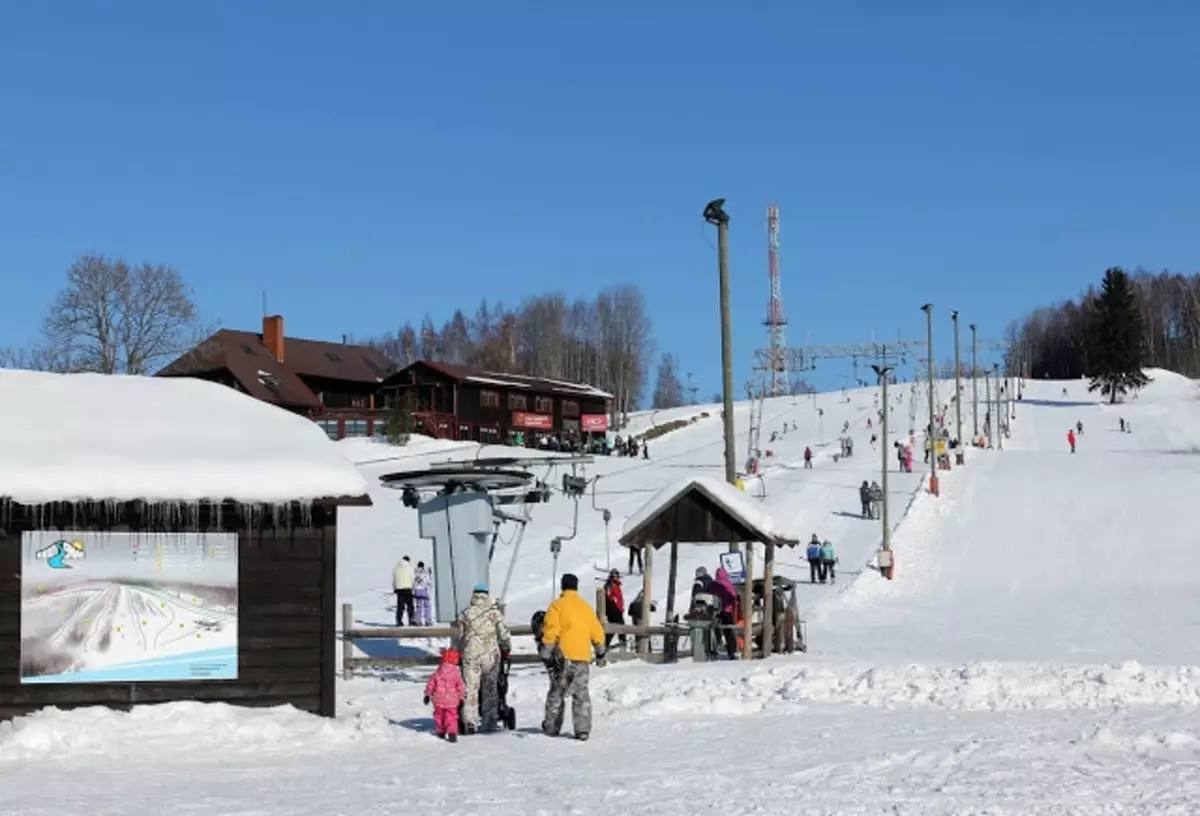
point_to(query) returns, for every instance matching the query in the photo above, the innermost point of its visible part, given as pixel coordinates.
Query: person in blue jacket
(828, 559)
(815, 572)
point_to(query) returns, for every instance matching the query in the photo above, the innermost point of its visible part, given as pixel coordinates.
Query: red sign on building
(539, 421)
(594, 423)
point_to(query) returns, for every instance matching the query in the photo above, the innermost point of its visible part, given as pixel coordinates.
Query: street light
(960, 453)
(714, 213)
(884, 372)
(933, 479)
(1001, 412)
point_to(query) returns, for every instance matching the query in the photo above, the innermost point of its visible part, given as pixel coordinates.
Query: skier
(485, 643)
(446, 689)
(876, 500)
(424, 606)
(572, 629)
(815, 572)
(1122, 424)
(725, 591)
(1079, 428)
(864, 496)
(828, 561)
(1071, 438)
(900, 455)
(402, 585)
(614, 605)
(908, 457)
(808, 458)
(645, 451)
(635, 554)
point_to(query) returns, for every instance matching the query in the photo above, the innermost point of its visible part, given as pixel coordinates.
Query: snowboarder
(424, 606)
(572, 629)
(828, 561)
(864, 496)
(808, 458)
(614, 605)
(402, 585)
(1071, 438)
(485, 643)
(445, 688)
(815, 572)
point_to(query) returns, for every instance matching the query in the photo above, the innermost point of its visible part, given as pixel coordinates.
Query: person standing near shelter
(485, 642)
(572, 629)
(724, 590)
(614, 604)
(402, 585)
(422, 579)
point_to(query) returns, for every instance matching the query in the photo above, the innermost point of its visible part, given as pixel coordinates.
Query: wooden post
(768, 628)
(748, 605)
(601, 611)
(671, 578)
(347, 643)
(647, 597)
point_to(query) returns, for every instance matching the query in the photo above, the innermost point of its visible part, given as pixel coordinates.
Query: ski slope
(1036, 653)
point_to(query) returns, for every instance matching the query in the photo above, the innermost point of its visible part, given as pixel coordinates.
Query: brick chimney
(272, 335)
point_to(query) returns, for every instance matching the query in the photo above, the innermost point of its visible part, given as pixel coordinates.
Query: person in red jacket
(1071, 439)
(446, 690)
(614, 604)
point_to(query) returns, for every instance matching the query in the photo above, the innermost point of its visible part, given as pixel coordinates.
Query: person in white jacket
(402, 585)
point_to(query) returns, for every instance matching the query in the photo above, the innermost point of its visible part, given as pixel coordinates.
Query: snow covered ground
(1036, 653)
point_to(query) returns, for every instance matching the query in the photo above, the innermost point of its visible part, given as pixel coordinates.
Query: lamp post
(884, 372)
(1001, 412)
(960, 453)
(933, 478)
(714, 213)
(974, 382)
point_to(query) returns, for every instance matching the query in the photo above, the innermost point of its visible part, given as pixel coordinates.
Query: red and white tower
(776, 323)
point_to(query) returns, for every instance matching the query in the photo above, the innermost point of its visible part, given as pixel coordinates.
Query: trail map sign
(103, 607)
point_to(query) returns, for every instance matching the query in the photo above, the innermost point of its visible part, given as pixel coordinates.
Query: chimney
(272, 335)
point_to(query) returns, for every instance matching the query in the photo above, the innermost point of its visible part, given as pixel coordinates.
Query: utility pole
(692, 389)
(974, 381)
(1001, 411)
(884, 372)
(960, 454)
(714, 213)
(933, 479)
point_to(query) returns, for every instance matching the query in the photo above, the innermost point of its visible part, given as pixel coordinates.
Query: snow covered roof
(91, 437)
(735, 502)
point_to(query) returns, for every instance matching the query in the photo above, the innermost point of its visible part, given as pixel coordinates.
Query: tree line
(1058, 342)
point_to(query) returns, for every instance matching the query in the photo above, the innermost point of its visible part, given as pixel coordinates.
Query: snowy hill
(1036, 653)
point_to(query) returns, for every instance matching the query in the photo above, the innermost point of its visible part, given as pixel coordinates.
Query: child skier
(421, 599)
(447, 690)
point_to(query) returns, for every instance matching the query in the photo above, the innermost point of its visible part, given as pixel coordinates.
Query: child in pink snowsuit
(446, 690)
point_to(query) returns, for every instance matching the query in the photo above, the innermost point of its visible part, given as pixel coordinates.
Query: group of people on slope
(821, 560)
(726, 600)
(572, 636)
(412, 589)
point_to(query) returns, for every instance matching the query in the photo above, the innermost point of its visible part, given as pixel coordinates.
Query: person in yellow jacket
(571, 635)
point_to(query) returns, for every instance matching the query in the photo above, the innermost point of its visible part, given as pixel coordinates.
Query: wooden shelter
(705, 511)
(170, 540)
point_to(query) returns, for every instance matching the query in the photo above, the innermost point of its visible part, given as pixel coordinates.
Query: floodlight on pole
(960, 456)
(714, 213)
(884, 372)
(974, 382)
(931, 433)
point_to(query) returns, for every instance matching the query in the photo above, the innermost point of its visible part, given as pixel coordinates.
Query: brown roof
(246, 357)
(539, 384)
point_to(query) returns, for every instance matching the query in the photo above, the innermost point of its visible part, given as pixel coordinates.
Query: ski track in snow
(1021, 662)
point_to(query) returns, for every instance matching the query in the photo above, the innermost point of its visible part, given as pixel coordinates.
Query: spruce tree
(1116, 338)
(401, 421)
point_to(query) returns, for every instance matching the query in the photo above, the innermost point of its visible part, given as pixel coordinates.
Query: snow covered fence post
(347, 642)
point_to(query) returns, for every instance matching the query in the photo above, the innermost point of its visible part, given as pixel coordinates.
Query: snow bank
(97, 730)
(78, 437)
(969, 687)
(735, 501)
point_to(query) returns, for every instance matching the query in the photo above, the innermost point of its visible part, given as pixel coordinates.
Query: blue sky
(368, 162)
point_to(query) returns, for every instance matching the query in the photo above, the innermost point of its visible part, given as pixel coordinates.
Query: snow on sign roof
(91, 437)
(734, 501)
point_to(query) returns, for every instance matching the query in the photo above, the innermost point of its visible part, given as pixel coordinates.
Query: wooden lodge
(334, 384)
(168, 540)
(456, 402)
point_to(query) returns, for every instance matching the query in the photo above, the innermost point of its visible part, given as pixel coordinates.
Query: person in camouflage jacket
(484, 642)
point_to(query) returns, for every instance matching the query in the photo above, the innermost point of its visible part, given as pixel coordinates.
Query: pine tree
(668, 392)
(1116, 338)
(400, 421)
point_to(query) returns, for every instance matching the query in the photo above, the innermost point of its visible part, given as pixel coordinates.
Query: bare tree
(668, 391)
(113, 318)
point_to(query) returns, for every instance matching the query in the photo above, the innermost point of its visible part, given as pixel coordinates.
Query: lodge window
(544, 405)
(356, 427)
(570, 408)
(330, 426)
(489, 399)
(517, 402)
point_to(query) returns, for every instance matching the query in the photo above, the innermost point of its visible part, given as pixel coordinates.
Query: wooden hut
(703, 510)
(163, 540)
